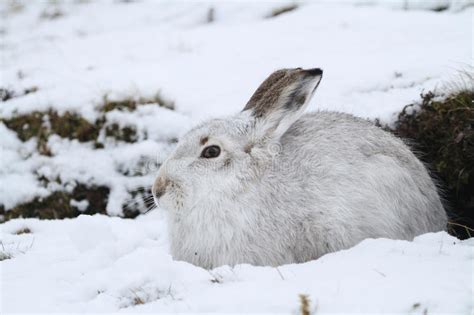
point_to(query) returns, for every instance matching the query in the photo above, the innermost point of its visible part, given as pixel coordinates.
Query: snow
(102, 264)
(377, 56)
(80, 205)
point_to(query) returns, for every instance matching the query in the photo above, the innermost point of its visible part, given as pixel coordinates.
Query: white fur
(324, 183)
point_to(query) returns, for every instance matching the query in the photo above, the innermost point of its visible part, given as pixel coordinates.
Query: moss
(73, 126)
(130, 103)
(442, 130)
(26, 126)
(58, 204)
(98, 145)
(43, 124)
(126, 134)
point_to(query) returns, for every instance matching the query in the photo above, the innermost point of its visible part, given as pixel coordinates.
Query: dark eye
(211, 151)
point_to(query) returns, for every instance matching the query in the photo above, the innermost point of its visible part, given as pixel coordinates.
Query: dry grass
(282, 10)
(131, 103)
(7, 94)
(304, 304)
(4, 255)
(24, 230)
(453, 227)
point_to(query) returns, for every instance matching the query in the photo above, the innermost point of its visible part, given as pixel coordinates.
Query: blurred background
(95, 94)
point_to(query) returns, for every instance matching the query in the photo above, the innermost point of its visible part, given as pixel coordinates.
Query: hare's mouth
(172, 198)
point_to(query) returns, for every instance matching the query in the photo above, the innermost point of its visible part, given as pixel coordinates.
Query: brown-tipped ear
(281, 99)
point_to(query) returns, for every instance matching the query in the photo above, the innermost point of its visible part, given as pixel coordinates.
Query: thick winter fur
(289, 187)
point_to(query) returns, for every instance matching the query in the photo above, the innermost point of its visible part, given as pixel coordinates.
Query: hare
(272, 186)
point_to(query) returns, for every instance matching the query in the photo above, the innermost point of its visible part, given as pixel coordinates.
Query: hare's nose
(159, 187)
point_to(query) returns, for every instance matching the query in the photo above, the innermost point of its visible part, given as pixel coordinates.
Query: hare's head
(218, 159)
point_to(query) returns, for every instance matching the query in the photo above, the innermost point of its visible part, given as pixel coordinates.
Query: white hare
(272, 186)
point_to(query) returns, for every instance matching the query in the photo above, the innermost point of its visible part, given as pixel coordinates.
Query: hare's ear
(281, 99)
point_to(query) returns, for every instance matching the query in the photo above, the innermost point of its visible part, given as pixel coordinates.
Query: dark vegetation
(282, 10)
(441, 129)
(24, 230)
(140, 199)
(58, 204)
(4, 255)
(41, 125)
(443, 6)
(126, 133)
(6, 94)
(130, 103)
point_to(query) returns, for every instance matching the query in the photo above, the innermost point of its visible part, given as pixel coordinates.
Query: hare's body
(326, 182)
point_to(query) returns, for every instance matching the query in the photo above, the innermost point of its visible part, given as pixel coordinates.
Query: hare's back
(356, 170)
(340, 138)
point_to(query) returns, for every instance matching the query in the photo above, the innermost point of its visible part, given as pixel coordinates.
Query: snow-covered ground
(103, 264)
(377, 56)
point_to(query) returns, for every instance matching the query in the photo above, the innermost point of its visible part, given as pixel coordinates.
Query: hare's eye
(211, 151)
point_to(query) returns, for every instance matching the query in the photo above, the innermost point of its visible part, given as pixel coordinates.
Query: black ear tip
(314, 72)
